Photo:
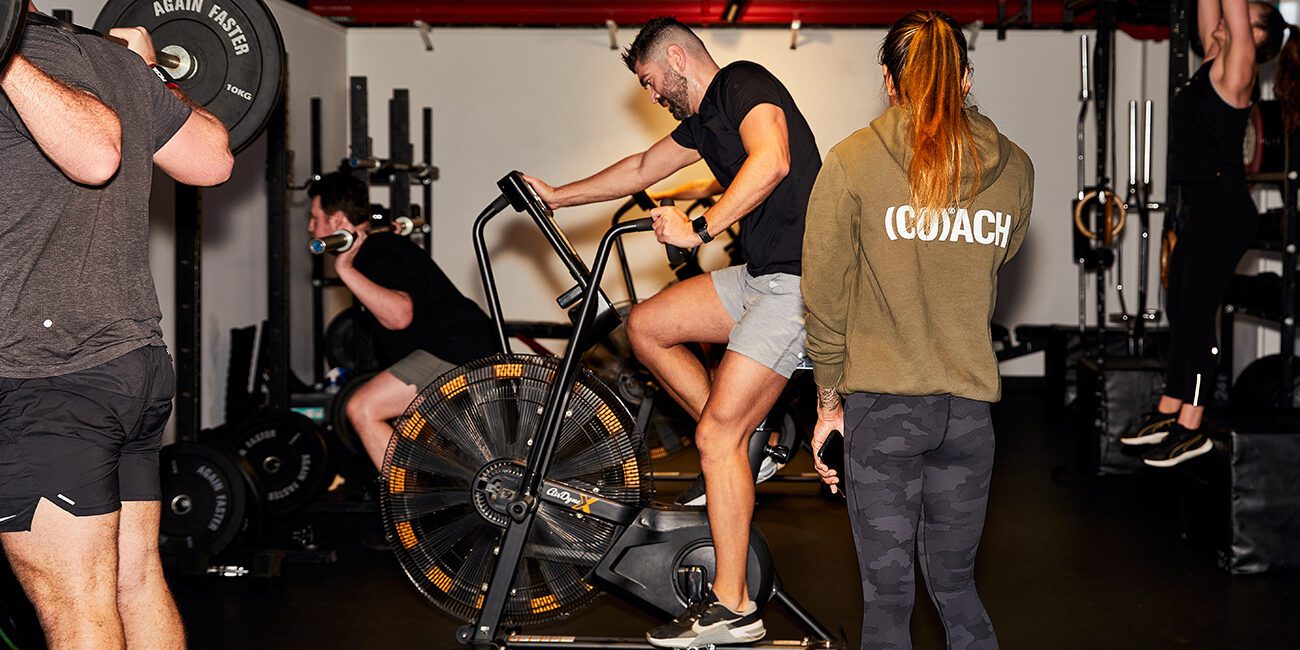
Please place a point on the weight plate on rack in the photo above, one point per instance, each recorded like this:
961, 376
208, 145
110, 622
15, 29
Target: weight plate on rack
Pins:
349, 343
231, 52
13, 16
289, 455
205, 499
339, 423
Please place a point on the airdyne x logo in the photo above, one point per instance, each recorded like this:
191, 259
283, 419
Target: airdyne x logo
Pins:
574, 501
955, 225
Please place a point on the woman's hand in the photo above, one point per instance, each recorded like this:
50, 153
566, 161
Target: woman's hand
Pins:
830, 417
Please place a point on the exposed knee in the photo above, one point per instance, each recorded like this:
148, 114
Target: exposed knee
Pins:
358, 409
639, 331
139, 577
718, 437
60, 595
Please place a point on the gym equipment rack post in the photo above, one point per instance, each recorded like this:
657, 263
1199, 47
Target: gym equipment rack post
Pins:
426, 116
277, 271
1289, 259
317, 263
188, 294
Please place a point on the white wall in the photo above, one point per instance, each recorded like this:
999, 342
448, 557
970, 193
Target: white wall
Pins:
234, 215
558, 103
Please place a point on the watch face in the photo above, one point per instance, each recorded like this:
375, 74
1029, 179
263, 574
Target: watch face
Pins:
701, 227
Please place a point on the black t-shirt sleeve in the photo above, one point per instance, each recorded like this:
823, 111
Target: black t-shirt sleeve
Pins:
745, 87
386, 267
683, 135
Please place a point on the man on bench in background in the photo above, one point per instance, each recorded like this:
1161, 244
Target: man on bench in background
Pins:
743, 122
422, 325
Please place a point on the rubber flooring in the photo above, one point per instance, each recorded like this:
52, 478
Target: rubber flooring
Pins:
1066, 562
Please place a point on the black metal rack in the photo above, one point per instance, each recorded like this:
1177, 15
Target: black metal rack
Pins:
1280, 304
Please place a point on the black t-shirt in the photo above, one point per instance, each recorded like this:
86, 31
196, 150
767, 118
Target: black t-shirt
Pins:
771, 237
446, 324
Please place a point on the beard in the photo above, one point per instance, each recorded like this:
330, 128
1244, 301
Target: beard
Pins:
674, 96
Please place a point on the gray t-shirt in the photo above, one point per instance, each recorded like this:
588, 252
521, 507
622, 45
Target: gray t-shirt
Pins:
75, 287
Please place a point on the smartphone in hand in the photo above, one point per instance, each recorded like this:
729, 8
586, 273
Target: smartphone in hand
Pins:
831, 455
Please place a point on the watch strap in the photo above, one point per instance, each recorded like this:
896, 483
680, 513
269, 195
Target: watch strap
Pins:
701, 227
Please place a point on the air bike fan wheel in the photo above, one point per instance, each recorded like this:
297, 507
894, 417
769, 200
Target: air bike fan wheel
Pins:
466, 437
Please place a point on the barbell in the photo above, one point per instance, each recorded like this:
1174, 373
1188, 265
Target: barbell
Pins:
225, 55
341, 241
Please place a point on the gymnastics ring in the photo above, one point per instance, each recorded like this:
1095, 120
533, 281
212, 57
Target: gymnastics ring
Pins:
1112, 228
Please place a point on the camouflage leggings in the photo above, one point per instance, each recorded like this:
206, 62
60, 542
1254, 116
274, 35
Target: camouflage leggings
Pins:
926, 459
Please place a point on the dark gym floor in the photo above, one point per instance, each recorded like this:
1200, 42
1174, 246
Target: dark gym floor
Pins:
1080, 563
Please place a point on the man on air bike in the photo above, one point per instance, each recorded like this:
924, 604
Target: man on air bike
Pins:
746, 127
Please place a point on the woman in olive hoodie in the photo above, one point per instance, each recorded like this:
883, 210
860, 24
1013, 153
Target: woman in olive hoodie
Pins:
908, 224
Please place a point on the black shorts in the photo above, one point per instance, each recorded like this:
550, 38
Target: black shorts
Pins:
86, 441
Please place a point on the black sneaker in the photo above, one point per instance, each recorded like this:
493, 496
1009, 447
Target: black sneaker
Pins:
709, 623
1181, 444
694, 495
1153, 428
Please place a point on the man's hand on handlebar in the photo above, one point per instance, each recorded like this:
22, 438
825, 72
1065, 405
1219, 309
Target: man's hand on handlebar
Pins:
546, 192
672, 226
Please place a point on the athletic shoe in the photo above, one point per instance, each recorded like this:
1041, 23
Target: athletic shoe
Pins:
1153, 428
694, 495
1181, 444
709, 622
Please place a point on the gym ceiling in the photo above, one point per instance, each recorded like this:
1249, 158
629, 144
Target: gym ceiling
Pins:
1142, 18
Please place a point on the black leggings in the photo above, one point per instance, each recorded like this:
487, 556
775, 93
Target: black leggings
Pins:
917, 473
1218, 225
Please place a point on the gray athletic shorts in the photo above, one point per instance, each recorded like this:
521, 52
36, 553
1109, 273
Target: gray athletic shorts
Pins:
768, 311
420, 368
86, 441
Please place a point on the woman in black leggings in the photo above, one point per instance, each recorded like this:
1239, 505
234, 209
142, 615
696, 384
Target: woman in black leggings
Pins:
907, 226
1208, 123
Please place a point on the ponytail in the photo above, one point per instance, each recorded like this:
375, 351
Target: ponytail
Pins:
1286, 85
1286, 47
925, 52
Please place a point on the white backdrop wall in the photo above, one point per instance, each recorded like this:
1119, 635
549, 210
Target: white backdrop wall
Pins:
558, 104
234, 250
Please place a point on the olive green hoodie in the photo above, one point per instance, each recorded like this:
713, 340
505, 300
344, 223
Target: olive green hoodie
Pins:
893, 310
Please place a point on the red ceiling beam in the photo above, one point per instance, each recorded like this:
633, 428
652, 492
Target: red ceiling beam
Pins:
573, 13
633, 12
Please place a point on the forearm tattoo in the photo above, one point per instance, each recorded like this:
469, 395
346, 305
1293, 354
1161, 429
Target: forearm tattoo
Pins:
828, 399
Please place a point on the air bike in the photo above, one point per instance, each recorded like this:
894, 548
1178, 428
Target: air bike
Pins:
516, 488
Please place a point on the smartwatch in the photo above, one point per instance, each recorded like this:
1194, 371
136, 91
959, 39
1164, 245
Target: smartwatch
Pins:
701, 227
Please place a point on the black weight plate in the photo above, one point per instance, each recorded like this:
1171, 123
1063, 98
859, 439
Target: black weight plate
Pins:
339, 424
250, 531
349, 343
237, 47
13, 16
204, 499
289, 456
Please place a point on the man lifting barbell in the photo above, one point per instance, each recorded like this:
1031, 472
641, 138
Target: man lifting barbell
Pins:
423, 326
85, 379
